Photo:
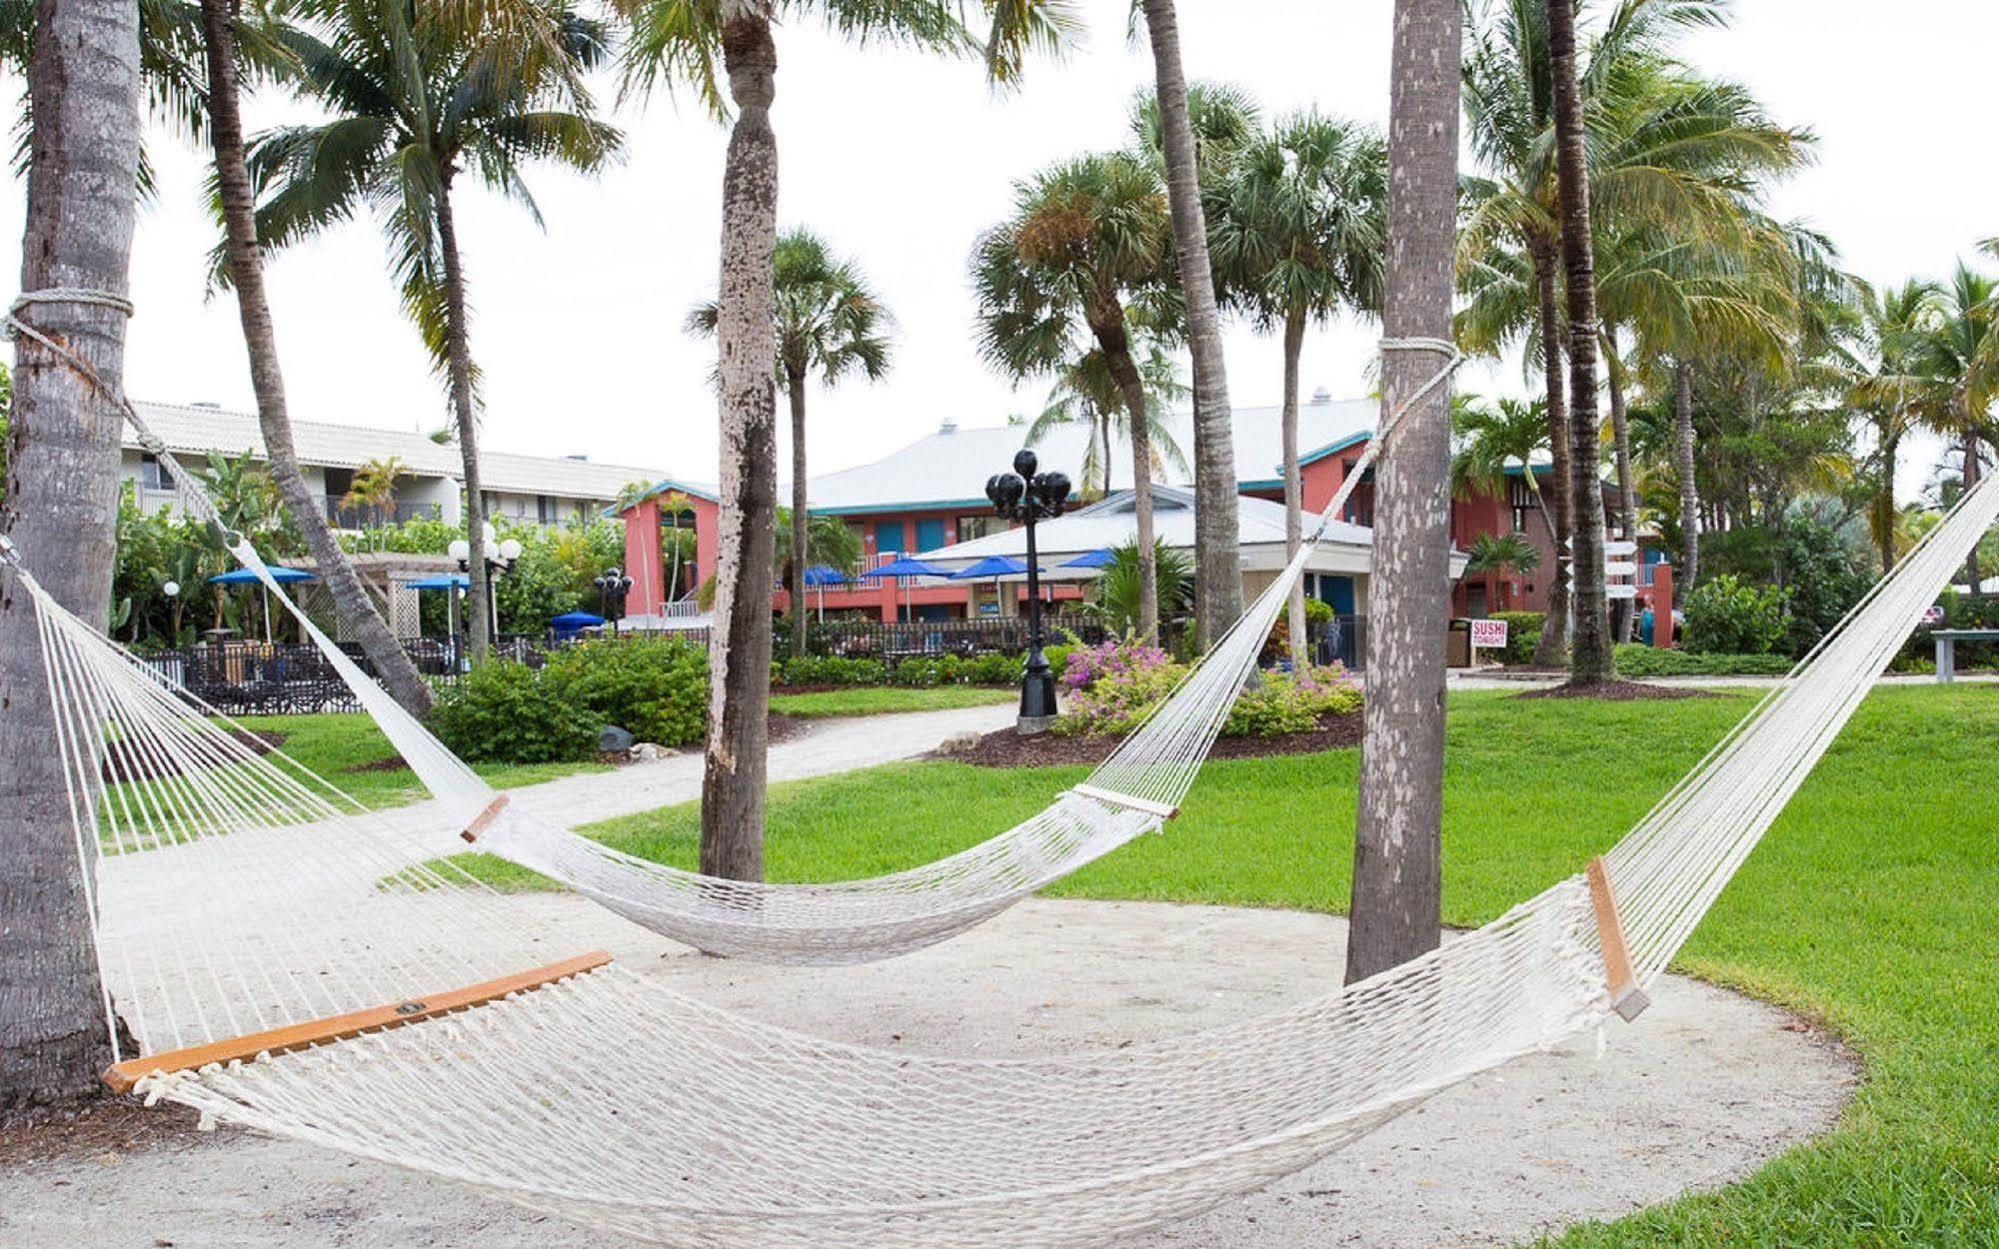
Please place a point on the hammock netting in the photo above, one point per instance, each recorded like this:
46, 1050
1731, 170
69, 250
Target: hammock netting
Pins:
234, 893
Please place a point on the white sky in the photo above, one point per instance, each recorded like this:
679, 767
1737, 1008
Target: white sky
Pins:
900, 160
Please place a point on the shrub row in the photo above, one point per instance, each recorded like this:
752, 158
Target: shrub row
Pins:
1636, 660
1523, 630
507, 712
989, 668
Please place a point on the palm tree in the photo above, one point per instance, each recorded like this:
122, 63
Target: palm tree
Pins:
1886, 391
1217, 555
1301, 236
418, 99
1665, 148
1398, 834
1502, 553
374, 488
829, 323
1493, 443
683, 40
1590, 657
1118, 593
1959, 358
1085, 391
223, 32
1083, 259
59, 514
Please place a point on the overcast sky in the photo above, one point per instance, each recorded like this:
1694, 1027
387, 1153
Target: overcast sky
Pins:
900, 160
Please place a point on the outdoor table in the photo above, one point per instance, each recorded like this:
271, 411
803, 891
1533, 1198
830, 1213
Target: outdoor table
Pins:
1947, 640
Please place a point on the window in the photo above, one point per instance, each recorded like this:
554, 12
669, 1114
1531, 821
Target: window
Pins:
151, 475
930, 533
888, 536
978, 526
544, 510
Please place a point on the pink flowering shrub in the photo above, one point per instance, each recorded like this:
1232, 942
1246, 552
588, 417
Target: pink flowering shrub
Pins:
1109, 689
1115, 659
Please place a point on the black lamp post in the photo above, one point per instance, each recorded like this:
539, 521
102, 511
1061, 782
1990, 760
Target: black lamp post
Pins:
1027, 496
612, 588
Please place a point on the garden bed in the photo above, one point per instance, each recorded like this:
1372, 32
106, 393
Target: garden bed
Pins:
1618, 692
1008, 749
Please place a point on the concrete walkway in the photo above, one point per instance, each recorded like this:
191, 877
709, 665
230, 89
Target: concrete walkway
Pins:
825, 747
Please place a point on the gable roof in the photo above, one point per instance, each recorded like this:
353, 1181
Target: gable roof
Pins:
195, 429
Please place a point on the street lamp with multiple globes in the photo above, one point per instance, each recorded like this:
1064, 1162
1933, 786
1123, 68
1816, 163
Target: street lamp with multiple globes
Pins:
612, 588
1026, 496
500, 556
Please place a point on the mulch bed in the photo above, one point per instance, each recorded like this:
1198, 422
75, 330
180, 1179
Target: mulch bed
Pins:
123, 763
102, 1125
1619, 692
1007, 749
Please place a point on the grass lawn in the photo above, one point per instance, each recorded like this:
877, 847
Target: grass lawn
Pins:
1869, 907
339, 746
874, 700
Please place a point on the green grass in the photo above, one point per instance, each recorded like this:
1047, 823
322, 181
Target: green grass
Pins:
1870, 907
337, 747
874, 700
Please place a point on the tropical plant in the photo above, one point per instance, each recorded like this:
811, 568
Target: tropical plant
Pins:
1085, 392
417, 97
1118, 594
1887, 392
1083, 260
1398, 832
829, 543
1299, 237
374, 487
1502, 553
1217, 524
82, 196
829, 323
1958, 360
686, 41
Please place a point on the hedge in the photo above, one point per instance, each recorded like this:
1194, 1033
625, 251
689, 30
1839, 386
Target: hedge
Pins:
1636, 660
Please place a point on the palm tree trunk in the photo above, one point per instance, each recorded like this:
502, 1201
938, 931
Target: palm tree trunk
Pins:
1398, 834
732, 787
1217, 558
1971, 474
800, 561
1884, 503
458, 368
1115, 342
358, 618
1548, 650
60, 511
1690, 496
1627, 497
1294, 481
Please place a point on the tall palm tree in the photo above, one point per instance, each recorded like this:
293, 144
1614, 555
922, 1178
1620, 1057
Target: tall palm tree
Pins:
1217, 557
1299, 237
1398, 835
60, 514
686, 41
222, 33
1887, 392
1085, 391
1959, 357
1590, 658
1082, 260
419, 99
830, 322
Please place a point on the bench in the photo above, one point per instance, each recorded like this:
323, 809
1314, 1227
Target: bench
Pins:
1947, 640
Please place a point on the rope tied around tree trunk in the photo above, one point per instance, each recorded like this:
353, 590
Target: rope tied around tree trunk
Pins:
1392, 423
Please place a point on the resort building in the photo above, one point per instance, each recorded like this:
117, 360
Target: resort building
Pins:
928, 500
526, 488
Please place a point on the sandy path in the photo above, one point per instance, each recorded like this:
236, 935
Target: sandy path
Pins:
1705, 1087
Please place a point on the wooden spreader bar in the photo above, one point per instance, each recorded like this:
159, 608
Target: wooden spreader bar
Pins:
482, 821
121, 1077
1626, 998
1117, 799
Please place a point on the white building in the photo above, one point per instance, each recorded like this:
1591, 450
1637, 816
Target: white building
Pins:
535, 489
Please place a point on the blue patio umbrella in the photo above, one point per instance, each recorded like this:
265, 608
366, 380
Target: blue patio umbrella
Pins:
823, 575
279, 573
1099, 558
991, 566
576, 620
442, 581
906, 569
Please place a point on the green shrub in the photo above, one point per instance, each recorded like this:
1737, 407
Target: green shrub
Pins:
506, 712
656, 687
1725, 616
1284, 703
1640, 661
1523, 630
829, 670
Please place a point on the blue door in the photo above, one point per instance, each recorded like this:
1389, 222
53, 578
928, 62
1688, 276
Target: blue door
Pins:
888, 536
930, 534
1337, 592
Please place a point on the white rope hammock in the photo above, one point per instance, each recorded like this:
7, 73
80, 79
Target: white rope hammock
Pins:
291, 962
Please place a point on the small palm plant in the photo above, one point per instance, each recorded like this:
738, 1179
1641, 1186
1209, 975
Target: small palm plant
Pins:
374, 488
1118, 594
1503, 553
